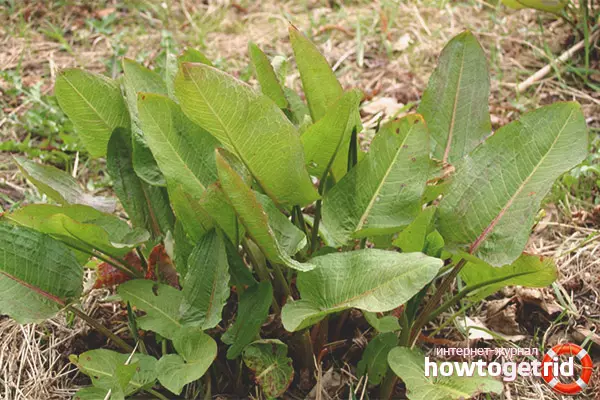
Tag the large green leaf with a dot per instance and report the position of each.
(327, 141)
(249, 125)
(147, 206)
(184, 151)
(109, 370)
(160, 303)
(206, 285)
(60, 186)
(455, 103)
(371, 280)
(382, 193)
(195, 353)
(527, 270)
(374, 361)
(497, 189)
(320, 85)
(271, 366)
(253, 216)
(81, 227)
(138, 78)
(253, 310)
(409, 365)
(269, 84)
(95, 105)
(38, 275)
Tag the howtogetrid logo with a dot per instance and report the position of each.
(552, 369)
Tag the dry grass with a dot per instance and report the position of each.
(386, 48)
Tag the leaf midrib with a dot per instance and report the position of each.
(178, 156)
(107, 125)
(453, 120)
(488, 229)
(364, 216)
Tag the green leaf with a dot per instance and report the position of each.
(215, 203)
(160, 303)
(272, 369)
(38, 275)
(184, 151)
(108, 370)
(249, 125)
(253, 310)
(497, 189)
(138, 78)
(288, 236)
(183, 249)
(206, 285)
(382, 193)
(455, 103)
(60, 186)
(81, 227)
(269, 84)
(371, 280)
(409, 365)
(90, 393)
(413, 237)
(185, 154)
(385, 324)
(147, 206)
(241, 276)
(320, 85)
(95, 106)
(374, 362)
(553, 6)
(253, 216)
(194, 56)
(327, 141)
(297, 111)
(527, 270)
(195, 353)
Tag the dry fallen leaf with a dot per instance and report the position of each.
(477, 330)
(389, 105)
(402, 43)
(537, 298)
(501, 316)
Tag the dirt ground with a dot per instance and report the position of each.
(385, 48)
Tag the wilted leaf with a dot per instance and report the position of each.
(409, 365)
(455, 103)
(382, 193)
(60, 186)
(320, 85)
(108, 275)
(272, 368)
(161, 268)
(159, 302)
(269, 84)
(206, 284)
(38, 275)
(253, 216)
(253, 310)
(497, 189)
(195, 353)
(371, 280)
(95, 106)
(374, 361)
(249, 125)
